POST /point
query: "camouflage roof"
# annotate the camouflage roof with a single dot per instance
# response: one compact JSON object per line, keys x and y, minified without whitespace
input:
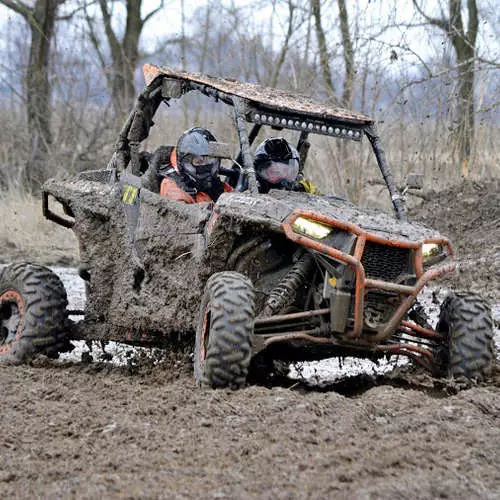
{"x":281,"y":100}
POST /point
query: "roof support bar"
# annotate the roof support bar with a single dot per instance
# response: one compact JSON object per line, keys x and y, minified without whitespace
{"x":303,"y":148}
{"x":396,"y":198}
{"x":211,"y":92}
{"x":239,"y":113}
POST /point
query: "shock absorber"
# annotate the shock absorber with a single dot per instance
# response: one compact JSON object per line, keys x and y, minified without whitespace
{"x":285,"y":293}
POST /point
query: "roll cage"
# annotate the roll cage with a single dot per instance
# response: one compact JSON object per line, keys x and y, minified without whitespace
{"x":252,"y":104}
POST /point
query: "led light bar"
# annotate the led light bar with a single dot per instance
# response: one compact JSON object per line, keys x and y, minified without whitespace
{"x":306,"y":126}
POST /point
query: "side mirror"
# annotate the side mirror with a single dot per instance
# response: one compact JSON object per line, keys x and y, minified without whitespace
{"x":414,"y":181}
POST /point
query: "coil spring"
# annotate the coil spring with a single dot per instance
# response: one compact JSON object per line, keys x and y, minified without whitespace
{"x":285,"y":293}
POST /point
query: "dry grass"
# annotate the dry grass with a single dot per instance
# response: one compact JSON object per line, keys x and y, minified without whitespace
{"x":26,"y":235}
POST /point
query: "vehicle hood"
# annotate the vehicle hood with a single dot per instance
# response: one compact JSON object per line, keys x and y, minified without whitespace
{"x":273,"y":208}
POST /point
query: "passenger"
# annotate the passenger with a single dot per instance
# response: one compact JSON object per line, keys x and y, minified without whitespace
{"x":276,"y":164}
{"x":192,"y":173}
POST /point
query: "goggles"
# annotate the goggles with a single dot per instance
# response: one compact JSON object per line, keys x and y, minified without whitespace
{"x":277,"y":172}
{"x":199,"y":161}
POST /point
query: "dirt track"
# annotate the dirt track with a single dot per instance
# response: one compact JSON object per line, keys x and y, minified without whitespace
{"x":92,"y":432}
{"x":98,"y":431}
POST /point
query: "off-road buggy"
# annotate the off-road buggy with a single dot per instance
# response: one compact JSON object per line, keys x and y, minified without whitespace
{"x":256,"y":278}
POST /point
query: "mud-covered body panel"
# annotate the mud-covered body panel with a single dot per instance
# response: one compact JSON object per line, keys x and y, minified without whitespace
{"x":272,"y":209}
{"x":146,"y":286}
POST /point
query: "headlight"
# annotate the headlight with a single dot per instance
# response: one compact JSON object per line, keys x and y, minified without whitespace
{"x":311,"y":228}
{"x":432,"y":253}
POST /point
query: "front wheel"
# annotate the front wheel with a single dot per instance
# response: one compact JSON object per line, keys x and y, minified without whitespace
{"x":33,"y":316}
{"x":223,"y":347}
{"x":466,"y":321}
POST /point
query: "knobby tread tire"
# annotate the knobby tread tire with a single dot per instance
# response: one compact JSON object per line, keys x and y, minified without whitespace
{"x":229,"y":298}
{"x":467,"y":321}
{"x":44,"y":323}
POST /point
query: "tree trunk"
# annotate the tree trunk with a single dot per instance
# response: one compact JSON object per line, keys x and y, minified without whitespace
{"x":130,"y":53}
{"x":354,"y":174}
{"x":42,"y":21}
{"x":347,"y":93}
{"x":465,"y":105}
{"x":464,"y":43}
{"x":324,"y":58}
{"x":124,"y":53}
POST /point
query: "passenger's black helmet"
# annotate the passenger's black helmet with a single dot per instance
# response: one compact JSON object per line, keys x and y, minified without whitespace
{"x":276,"y":164}
{"x":197,"y":157}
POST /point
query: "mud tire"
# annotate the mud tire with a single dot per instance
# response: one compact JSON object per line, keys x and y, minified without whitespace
{"x":33,"y":316}
{"x":467,"y":321}
{"x":223,"y":346}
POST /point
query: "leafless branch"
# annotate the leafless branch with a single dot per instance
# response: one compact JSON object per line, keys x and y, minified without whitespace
{"x":152,"y":13}
{"x":162,"y":47}
{"x":110,"y":34}
{"x":406,"y":49}
{"x":284,"y":47}
{"x":95,"y":41}
{"x":432,"y":76}
{"x":18,"y":7}
{"x":489,"y":108}
{"x":12,"y":89}
{"x":67,"y":17}
{"x":441,"y":23}
{"x":495,"y":64}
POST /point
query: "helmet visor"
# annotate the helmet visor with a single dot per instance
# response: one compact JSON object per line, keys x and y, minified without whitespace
{"x":199,"y":161}
{"x":277,"y":172}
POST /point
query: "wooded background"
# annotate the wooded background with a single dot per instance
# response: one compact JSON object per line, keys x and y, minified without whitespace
{"x":427,"y":70}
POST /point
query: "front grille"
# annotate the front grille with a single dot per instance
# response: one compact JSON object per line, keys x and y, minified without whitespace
{"x":384,"y":262}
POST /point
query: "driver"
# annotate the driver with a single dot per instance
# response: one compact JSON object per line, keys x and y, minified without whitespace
{"x":276,"y":164}
{"x":193,"y":176}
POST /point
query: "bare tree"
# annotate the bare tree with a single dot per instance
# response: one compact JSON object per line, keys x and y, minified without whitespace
{"x":41,"y":19}
{"x":464,"y":44}
{"x":124,"y":52}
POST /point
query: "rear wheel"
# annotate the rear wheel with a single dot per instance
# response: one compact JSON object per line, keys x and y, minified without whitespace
{"x":466,"y":321}
{"x":223,"y":347}
{"x":33,"y":316}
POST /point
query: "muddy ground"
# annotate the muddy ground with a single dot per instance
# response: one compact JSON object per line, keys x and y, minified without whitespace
{"x":76,"y":430}
{"x":470,"y":216}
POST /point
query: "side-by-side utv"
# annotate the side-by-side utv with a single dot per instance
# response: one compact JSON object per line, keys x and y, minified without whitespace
{"x":253,"y":278}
